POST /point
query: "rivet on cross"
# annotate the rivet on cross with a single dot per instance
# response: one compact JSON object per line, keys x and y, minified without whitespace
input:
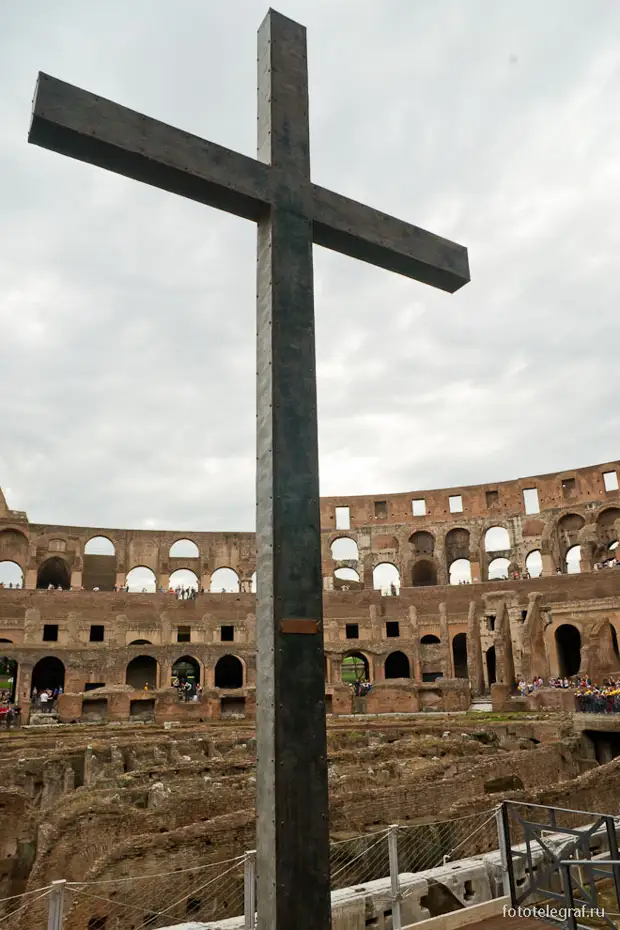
{"x":291,"y":213}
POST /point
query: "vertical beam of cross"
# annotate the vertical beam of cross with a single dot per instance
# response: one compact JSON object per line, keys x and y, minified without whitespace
{"x":292,"y":801}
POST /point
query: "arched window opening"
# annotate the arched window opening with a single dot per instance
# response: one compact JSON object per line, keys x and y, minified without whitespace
{"x":491,"y":665}
{"x":568,"y":645}
{"x":346,"y":575}
{"x":99,"y":545}
{"x":141,"y":673}
{"x":397,"y":666}
{"x":186,"y":669}
{"x":533,"y":564}
{"x":184,"y":549}
{"x":11,"y":575}
{"x":422,"y":543}
{"x":253,"y":583}
{"x":344,"y":548}
{"x":185,"y":579}
{"x":13,"y":546}
{"x":386,"y":578}
{"x":605,"y":522}
{"x":48,"y":673}
{"x":54,"y":572}
{"x":355,"y":668}
{"x":429,"y":640}
{"x":140,"y":642}
{"x":424,"y":573}
{"x":614,"y":640}
{"x":141,"y":580}
{"x":460,"y":572}
{"x":498,"y":569}
{"x":224,"y":581}
{"x":229,"y":672}
{"x":99,"y":564}
{"x":496,"y":539}
{"x":573,"y":560}
{"x":8,"y":677}
{"x":459,"y":655}
{"x":568,"y":532}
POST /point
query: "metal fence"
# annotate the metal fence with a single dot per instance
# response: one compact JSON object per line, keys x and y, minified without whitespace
{"x":225,"y":889}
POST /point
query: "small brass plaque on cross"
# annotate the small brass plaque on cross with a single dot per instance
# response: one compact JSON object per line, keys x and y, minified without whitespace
{"x":300,"y":626}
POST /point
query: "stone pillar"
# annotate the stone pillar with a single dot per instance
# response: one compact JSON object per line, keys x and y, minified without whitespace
{"x":76,"y":580}
{"x":416,"y":669}
{"x":328,"y":669}
{"x":444,"y":635}
{"x":30,"y":580}
{"x":336,"y":669}
{"x":121,"y":580}
{"x":376,"y":631}
{"x":163,"y":581}
{"x":475,"y":665}
{"x":205,"y":580}
{"x":548,"y":565}
{"x":474,"y":564}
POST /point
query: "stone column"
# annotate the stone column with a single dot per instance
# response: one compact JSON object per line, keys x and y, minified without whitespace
{"x":475,"y":568}
{"x":548,"y":565}
{"x":416,"y":669}
{"x":475,"y":665}
{"x":30,"y":579}
{"x":336,"y":669}
{"x":76,"y":580}
{"x":444,"y":635}
{"x":205,"y":580}
{"x":121,"y":580}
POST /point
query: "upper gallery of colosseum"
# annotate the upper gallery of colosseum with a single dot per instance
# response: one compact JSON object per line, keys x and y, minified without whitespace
{"x":567,"y":521}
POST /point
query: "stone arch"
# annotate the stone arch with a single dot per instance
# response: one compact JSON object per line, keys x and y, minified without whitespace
{"x":567,"y":531}
{"x":99,"y":564}
{"x":429,"y":639}
{"x":491,"y":663}
{"x":422,"y":543}
{"x":184,"y":578}
{"x":397,"y":665}
{"x":343,"y":577}
{"x":460,"y":571}
{"x":457,"y":545}
{"x":49,"y":672}
{"x":141,"y":642}
{"x":187,"y":668}
{"x":184,"y":549}
{"x":459,"y":655}
{"x":54,"y":571}
{"x":606,"y":524}
{"x":142,"y":671}
{"x":225,"y":580}
{"x":355,"y":667}
{"x":229,"y":672}
{"x":573,"y":560}
{"x":141,"y":579}
{"x":11,"y":574}
{"x":385,"y":577}
{"x":14,"y":547}
{"x":568,"y":647}
{"x":99,"y":545}
{"x":498,"y":569}
{"x":533,"y":563}
{"x":424,"y":573}
{"x":344,"y":549}
{"x":8,"y":674}
{"x":496,"y":539}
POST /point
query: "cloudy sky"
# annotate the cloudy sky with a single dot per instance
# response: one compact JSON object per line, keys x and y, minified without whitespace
{"x":127,"y":314}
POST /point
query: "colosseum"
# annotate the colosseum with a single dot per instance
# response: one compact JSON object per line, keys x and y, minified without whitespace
{"x":432,"y":596}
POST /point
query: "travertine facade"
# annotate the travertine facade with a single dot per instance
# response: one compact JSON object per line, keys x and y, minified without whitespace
{"x":489,"y":630}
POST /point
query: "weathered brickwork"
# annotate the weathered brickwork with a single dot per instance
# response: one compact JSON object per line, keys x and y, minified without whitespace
{"x":438,"y":643}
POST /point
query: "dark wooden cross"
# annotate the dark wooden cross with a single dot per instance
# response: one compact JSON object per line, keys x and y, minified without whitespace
{"x":274,"y":190}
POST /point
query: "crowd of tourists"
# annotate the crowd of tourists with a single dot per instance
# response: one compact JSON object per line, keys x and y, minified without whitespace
{"x":45,"y":699}
{"x":187,"y":690}
{"x":361,"y":688}
{"x":590,"y":697}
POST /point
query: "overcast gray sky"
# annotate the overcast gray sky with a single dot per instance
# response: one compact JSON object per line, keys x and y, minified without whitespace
{"x":127,"y":314}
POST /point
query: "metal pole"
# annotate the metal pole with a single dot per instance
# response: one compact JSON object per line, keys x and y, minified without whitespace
{"x":503,"y":850}
{"x":56,"y":905}
{"x":249,"y":890}
{"x":571,"y":919}
{"x":612,"y":840}
{"x":505,"y":832}
{"x":392,"y":839}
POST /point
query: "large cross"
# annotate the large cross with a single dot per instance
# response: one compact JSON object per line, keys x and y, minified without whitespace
{"x":274,"y":190}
